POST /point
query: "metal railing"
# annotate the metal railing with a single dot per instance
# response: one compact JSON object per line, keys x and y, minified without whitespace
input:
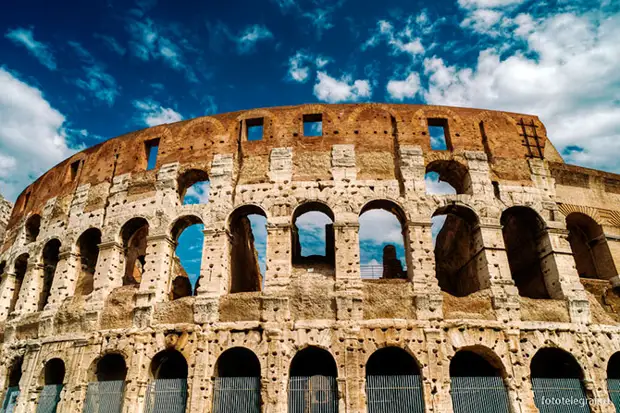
{"x":236,"y":395}
{"x":375,"y":272}
{"x":104,"y":397}
{"x":394,"y":394}
{"x":613,"y":387}
{"x":166,"y":396}
{"x":49,"y":398}
{"x":560,"y":396}
{"x":316,"y":394}
{"x":479,"y":394}
{"x":10,"y":400}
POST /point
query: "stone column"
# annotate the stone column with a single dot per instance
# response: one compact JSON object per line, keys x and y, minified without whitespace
{"x":137,"y":377}
{"x":65,"y":279}
{"x":355,"y":394}
{"x":31,"y":288}
{"x":412,"y":170}
{"x":278,"y":260}
{"x":7,"y":289}
{"x":201,"y":384}
{"x":421,"y":269}
{"x":109,"y":272}
{"x":438,"y":372}
{"x":214,"y":275}
{"x":494,"y":271}
{"x":155,"y":283}
{"x":520,"y":394}
{"x":274,"y":384}
{"x":28,"y":385}
{"x":478,"y":170}
{"x":348,"y":287}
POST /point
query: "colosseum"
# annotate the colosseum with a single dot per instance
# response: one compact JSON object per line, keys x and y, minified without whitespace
{"x":511,"y":307}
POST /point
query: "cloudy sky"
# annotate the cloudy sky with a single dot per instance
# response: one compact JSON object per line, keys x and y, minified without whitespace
{"x":80,"y":72}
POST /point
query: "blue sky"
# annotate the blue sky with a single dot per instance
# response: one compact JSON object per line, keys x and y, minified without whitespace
{"x":76,"y":73}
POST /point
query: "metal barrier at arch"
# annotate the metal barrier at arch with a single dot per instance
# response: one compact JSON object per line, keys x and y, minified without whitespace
{"x":394,"y":394}
{"x":166,"y":396}
{"x":49,"y":398}
{"x":236,"y":394}
{"x":315,"y":394}
{"x":104,"y":397}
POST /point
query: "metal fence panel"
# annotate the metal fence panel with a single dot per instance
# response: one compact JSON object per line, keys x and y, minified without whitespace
{"x":49,"y":398}
{"x":10,"y":400}
{"x":560,"y":396}
{"x":479,"y":394}
{"x":316,"y":394}
{"x":166,"y":396}
{"x":236,"y":395}
{"x":613,"y":386}
{"x":104,"y":397}
{"x":394,"y":394}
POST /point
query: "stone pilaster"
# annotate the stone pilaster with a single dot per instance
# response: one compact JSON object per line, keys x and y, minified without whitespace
{"x":343,"y":162}
{"x":438,"y":371}
{"x":281,"y":165}
{"x":412,"y":170}
{"x":214,"y":269}
{"x":65,"y":279}
{"x":31,"y":289}
{"x":155,"y":283}
{"x":278,"y":260}
{"x":349,"y":294}
{"x":8,"y":283}
{"x":478,"y":170}
{"x":421,"y":270}
{"x":109,"y":271}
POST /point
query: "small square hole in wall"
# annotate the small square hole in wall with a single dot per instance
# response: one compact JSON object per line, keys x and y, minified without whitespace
{"x":74,"y":168}
{"x":439,"y":134}
{"x":152,"y":148}
{"x":313,"y":125}
{"x":254,"y":129}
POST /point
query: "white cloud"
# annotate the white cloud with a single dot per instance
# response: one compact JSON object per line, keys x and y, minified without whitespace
{"x":404,"y":89}
{"x":331,"y":90}
{"x":405,"y":41}
{"x":250,"y":36}
{"x":32,"y":134}
{"x":437,"y":187}
{"x":483,"y":21}
{"x":380,"y":227}
{"x":475,"y":4}
{"x":97,"y":81}
{"x":41,"y":51}
{"x":198,"y":193}
{"x":568,"y":75}
{"x":301,"y":64}
{"x":151,"y":113}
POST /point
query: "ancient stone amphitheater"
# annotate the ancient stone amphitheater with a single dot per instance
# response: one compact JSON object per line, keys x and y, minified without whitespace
{"x":511,"y":308}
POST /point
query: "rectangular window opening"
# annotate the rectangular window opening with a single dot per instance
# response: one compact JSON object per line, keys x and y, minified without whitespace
{"x":439,"y":134}
{"x":73,"y":170}
{"x":254,"y":129}
{"x":152,"y":148}
{"x":313,"y":125}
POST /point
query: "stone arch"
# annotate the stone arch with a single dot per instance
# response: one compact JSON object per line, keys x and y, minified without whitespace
{"x":313,"y":360}
{"x":233,"y":129}
{"x":20,"y":265}
{"x":237,"y":381}
{"x":181,"y":285}
{"x":32,"y":228}
{"x":111,"y":366}
{"x":215,"y":122}
{"x":524,"y":233}
{"x":382,"y":362}
{"x":245,"y":273}
{"x":87,"y":247}
{"x":169,"y":364}
{"x":133,"y":236}
{"x":312,"y":376}
{"x":313,"y":207}
{"x":460,"y":266}
{"x":613,"y":366}
{"x":11,"y":390}
{"x":189,"y":178}
{"x":555,"y":362}
{"x":452,"y":172}
{"x":169,"y":373}
{"x":589,"y":245}
{"x":353,"y":117}
{"x":53,"y":372}
{"x":477,"y":355}
{"x":237,"y":362}
{"x":50,"y":257}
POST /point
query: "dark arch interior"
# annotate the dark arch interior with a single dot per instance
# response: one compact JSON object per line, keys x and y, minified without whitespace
{"x":457,"y":251}
{"x":54,"y":372}
{"x":553,"y":363}
{"x":328,"y":256}
{"x":313,"y":361}
{"x":467,"y":363}
{"x":453,"y":173}
{"x":613,"y":366}
{"x":245,"y":270}
{"x":134,"y":234}
{"x":189,"y":178}
{"x":589,"y":245}
{"x":523,"y":229}
{"x":111,"y":367}
{"x":169,"y":364}
{"x":88,"y":246}
{"x":2,"y":267}
{"x":238,"y":362}
{"x":15,"y":374}
{"x":33,"y":226}
{"x":21,"y":264}
{"x":51,"y":257}
{"x":391,"y":361}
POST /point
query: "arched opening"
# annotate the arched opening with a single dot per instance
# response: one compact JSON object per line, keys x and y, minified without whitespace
{"x":613,"y":379}
{"x":477,"y":383}
{"x":237,"y":382}
{"x":189,"y":238}
{"x":444,"y":177}
{"x":168,"y":390}
{"x":393,"y":382}
{"x":458,"y":252}
{"x":383,"y":239}
{"x":53,"y":379}
{"x":32,"y":227}
{"x":312,"y":382}
{"x":21,"y":265}
{"x":589,"y":245}
{"x":134,"y":235}
{"x":88,"y":252}
{"x":105,"y":393}
{"x":556,"y":374}
{"x":194,"y":186}
{"x":2,"y":268}
{"x":248,"y":246}
{"x":523,"y":232}
{"x":11,"y":391}
{"x":312,"y":235}
{"x":51,"y":256}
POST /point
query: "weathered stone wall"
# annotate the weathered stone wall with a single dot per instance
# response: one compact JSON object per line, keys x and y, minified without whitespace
{"x":367,"y":155}
{"x":5,"y":213}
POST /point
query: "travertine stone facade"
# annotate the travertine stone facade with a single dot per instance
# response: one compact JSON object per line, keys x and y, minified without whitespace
{"x":368,"y":156}
{"x":5,"y":213}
